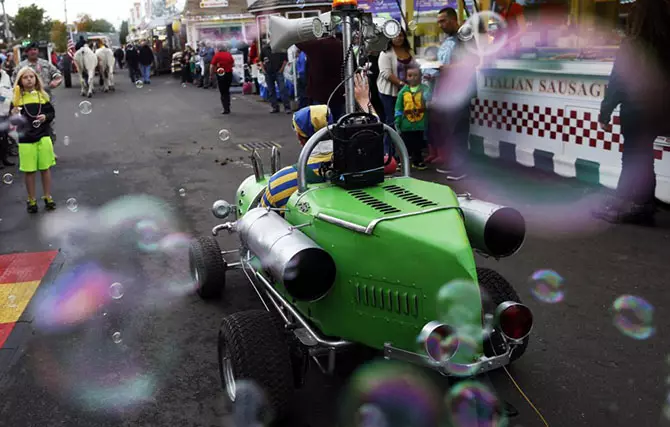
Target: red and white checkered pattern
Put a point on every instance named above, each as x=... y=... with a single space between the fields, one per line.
x=570 y=125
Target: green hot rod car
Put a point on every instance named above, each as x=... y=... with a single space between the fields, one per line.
x=343 y=270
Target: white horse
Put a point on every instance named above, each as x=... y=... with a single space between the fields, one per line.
x=86 y=62
x=106 y=62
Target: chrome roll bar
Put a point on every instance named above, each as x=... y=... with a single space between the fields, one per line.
x=320 y=135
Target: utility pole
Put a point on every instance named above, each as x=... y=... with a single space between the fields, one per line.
x=7 y=35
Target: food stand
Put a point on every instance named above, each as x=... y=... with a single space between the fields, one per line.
x=539 y=105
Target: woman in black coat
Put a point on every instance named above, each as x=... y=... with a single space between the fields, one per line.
x=640 y=84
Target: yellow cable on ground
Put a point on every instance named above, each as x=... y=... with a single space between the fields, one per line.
x=537 y=411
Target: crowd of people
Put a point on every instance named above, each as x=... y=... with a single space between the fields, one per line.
x=431 y=111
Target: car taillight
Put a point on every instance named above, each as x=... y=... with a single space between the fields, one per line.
x=514 y=320
x=439 y=341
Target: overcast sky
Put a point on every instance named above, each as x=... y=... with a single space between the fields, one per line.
x=114 y=11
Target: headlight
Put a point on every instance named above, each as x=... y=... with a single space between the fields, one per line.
x=439 y=341
x=391 y=28
x=221 y=209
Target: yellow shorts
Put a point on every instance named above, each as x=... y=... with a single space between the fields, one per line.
x=36 y=156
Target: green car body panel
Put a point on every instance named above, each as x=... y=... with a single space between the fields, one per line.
x=387 y=283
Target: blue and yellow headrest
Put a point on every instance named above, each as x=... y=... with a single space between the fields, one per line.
x=308 y=120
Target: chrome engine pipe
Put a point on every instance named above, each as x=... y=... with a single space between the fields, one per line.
x=293 y=260
x=495 y=230
x=257 y=163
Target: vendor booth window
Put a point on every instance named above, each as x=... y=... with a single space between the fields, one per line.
x=302 y=14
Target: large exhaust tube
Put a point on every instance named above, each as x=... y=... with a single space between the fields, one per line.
x=496 y=230
x=288 y=255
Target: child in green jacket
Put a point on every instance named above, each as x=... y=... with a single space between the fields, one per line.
x=410 y=114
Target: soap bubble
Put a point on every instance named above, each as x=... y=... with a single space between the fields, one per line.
x=412 y=25
x=224 y=135
x=633 y=316
x=116 y=171
x=72 y=204
x=439 y=346
x=149 y=235
x=139 y=84
x=370 y=416
x=251 y=405
x=300 y=4
x=182 y=192
x=7 y=178
x=472 y=404
x=85 y=107
x=485 y=44
x=547 y=286
x=459 y=305
x=116 y=337
x=183 y=85
x=400 y=394
x=220 y=72
x=11 y=301
x=116 y=290
x=378 y=3
x=66 y=140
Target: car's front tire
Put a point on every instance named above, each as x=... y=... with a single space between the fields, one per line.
x=253 y=346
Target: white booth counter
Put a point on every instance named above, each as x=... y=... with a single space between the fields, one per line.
x=544 y=113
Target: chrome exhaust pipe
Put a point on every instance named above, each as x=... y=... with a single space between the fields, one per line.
x=257 y=163
x=275 y=160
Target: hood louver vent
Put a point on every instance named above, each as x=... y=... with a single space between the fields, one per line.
x=373 y=203
x=409 y=196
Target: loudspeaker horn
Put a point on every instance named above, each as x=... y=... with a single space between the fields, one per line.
x=284 y=32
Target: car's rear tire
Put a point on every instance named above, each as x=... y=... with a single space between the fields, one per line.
x=208 y=268
x=499 y=290
x=253 y=346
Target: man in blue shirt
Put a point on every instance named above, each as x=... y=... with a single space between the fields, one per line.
x=207 y=56
x=453 y=95
x=301 y=70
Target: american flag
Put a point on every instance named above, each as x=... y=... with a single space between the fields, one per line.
x=70 y=47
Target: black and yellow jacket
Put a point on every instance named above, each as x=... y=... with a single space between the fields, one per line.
x=32 y=104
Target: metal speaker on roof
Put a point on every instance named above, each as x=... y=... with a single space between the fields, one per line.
x=284 y=32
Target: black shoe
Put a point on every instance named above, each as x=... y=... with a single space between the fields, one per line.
x=49 y=203
x=31 y=206
x=274 y=110
x=421 y=166
x=225 y=112
x=626 y=213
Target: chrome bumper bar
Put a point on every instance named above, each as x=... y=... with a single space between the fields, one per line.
x=484 y=364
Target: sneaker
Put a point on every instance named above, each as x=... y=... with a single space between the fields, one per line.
x=49 y=203
x=31 y=206
x=443 y=171
x=419 y=166
x=274 y=110
x=456 y=176
x=626 y=213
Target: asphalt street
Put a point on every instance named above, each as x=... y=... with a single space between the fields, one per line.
x=163 y=140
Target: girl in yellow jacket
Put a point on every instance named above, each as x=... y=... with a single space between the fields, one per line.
x=33 y=114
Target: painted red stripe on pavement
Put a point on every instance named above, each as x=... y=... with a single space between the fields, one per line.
x=25 y=267
x=5 y=330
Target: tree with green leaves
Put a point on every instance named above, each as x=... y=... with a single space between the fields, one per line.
x=85 y=24
x=59 y=36
x=30 y=22
x=123 y=34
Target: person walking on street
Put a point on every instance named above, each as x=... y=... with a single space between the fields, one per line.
x=146 y=59
x=6 y=95
x=639 y=84
x=133 y=61
x=50 y=76
x=185 y=61
x=392 y=73
x=273 y=66
x=31 y=102
x=221 y=68
x=301 y=70
x=449 y=127
x=207 y=57
x=80 y=43
x=118 y=55
x=324 y=57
